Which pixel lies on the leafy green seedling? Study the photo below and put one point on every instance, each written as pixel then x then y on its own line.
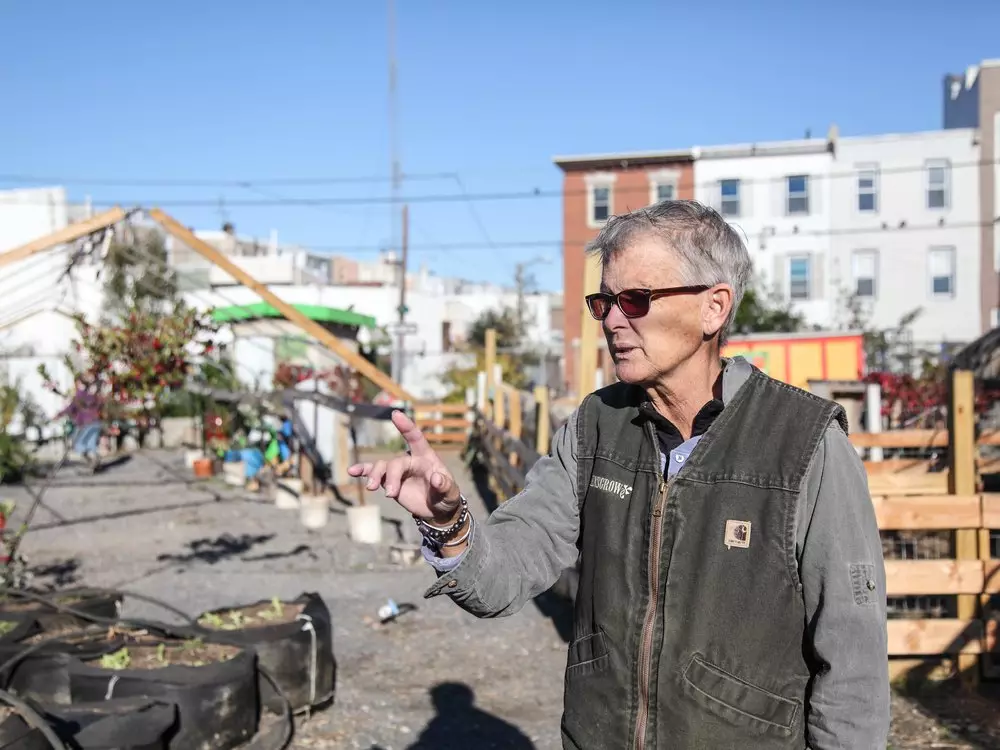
pixel 193 643
pixel 161 653
pixel 212 620
pixel 120 659
pixel 277 610
pixel 236 621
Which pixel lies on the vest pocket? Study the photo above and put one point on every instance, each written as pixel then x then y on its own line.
pixel 587 655
pixel 732 698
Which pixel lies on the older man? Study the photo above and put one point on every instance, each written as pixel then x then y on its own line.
pixel 732 588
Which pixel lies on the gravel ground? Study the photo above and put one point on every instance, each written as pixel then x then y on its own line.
pixel 434 678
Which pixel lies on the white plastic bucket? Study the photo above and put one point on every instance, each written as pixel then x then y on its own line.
pixel 364 524
pixel 234 473
pixel 314 511
pixel 287 494
pixel 191 456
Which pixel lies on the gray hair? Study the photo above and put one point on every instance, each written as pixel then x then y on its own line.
pixel 710 250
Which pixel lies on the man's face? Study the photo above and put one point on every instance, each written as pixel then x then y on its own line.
pixel 648 348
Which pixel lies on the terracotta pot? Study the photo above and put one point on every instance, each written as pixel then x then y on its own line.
pixel 203 468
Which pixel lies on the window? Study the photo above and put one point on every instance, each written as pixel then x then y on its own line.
pixel 665 192
pixel 663 185
pixel 938 184
pixel 602 204
pixel 864 266
pixel 868 189
pixel 798 194
pixel 446 345
pixel 942 271
pixel 799 277
pixel 729 190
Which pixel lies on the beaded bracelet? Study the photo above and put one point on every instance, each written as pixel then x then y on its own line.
pixel 464 537
pixel 439 533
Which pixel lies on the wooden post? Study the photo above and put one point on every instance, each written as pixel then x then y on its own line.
pixel 491 359
pixel 962 481
pixel 515 421
pixel 543 423
pixel 588 330
pixel 482 392
pixel 499 413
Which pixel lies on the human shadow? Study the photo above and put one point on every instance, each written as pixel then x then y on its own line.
pixel 459 725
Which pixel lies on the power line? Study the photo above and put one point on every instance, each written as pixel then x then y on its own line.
pixel 524 194
pixel 433 197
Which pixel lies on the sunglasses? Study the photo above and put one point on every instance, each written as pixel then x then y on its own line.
pixel 634 303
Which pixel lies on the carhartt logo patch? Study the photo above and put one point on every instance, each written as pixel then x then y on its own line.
pixel 610 485
pixel 737 534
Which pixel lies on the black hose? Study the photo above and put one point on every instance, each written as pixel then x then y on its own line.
pixel 33 718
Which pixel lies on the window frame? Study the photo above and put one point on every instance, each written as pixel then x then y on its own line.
pixel 808 280
pixel 739 198
pixel 952 276
pixel 855 277
pixel 945 166
pixel 874 191
pixel 797 195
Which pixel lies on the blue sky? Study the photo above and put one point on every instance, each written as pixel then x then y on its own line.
pixel 91 93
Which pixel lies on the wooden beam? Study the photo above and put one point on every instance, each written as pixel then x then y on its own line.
pixel 913 439
pixel 933 637
pixel 543 421
pixel 962 481
pixel 927 512
pixel 311 327
pixel 490 361
pixel 933 577
pixel 991 511
pixel 68 233
pixel 588 329
pixel 514 396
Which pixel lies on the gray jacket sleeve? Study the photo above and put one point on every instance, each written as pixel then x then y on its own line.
pixel 843 579
pixel 526 543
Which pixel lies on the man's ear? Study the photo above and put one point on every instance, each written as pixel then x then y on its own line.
pixel 718 303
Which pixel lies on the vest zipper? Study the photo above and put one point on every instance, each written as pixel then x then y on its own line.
pixel 646 642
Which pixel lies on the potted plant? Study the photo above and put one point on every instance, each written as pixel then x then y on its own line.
pixel 213 684
pixel 293 640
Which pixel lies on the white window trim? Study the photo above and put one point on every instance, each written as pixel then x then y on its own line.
pixel 875 275
pixel 876 188
pixel 954 272
pixel 788 195
pixel 739 197
pixel 928 165
pixel 809 279
pixel 599 180
pixel 663 177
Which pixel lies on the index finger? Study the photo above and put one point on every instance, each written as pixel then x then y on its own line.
pixel 411 434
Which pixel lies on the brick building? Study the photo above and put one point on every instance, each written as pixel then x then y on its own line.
pixel 595 188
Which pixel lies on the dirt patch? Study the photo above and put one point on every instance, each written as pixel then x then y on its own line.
pixel 15 605
pixel 193 653
pixel 253 616
pixel 946 715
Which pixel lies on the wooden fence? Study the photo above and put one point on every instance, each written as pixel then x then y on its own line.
pixel 444 424
pixel 939 530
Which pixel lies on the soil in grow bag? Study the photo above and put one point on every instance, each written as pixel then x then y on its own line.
pixel 214 686
pixel 135 723
pixel 43 674
pixel 294 644
pixel 105 606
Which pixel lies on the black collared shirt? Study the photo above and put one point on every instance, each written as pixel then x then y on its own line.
pixel 669 436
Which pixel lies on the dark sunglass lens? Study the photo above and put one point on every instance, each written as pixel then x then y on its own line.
pixel 633 303
pixel 600 306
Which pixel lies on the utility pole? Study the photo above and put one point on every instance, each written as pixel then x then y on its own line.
pixel 397 361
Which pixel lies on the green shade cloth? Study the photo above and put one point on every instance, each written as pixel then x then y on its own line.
pixel 319 313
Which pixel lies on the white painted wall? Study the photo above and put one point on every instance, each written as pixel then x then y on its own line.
pixel 903 276
pixel 774 237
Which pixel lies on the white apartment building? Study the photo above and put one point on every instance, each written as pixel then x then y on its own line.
pixel 778 195
pixel 905 231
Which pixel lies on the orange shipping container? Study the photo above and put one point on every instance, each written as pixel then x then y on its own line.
pixel 797 358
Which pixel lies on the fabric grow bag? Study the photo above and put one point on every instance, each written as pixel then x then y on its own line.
pixel 22 626
pixel 17 734
pixel 135 723
pixel 106 606
pixel 297 654
pixel 216 703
